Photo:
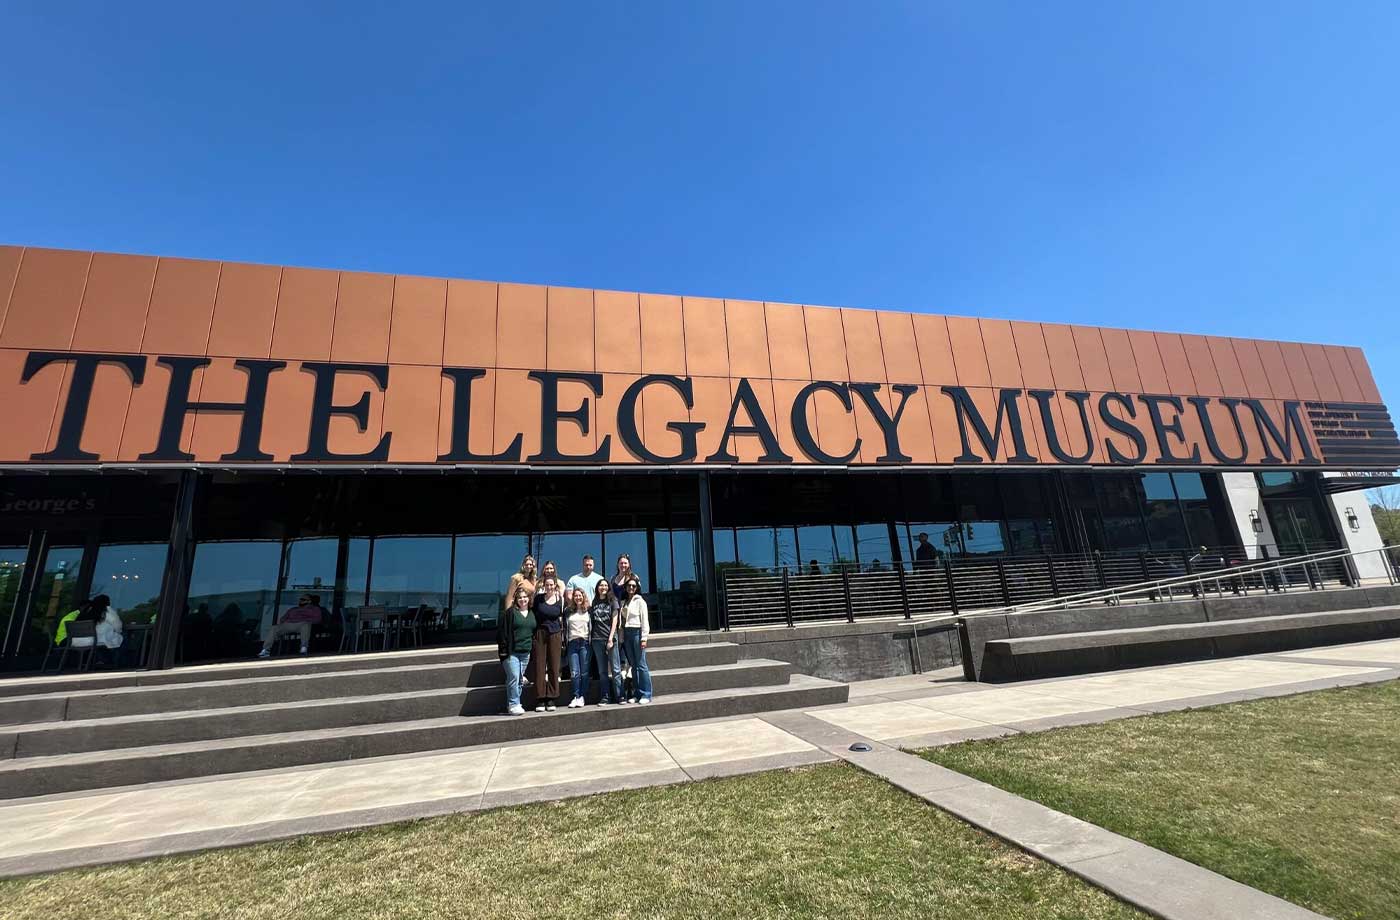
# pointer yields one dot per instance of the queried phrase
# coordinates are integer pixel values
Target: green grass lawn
(1298, 796)
(826, 841)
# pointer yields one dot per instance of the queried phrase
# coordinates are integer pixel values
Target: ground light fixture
(860, 747)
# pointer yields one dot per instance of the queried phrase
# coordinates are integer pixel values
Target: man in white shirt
(587, 580)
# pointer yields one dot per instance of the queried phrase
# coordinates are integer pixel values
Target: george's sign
(1014, 426)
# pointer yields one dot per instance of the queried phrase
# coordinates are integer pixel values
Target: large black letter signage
(68, 447)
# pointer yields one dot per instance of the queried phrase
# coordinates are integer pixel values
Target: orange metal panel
(749, 448)
(216, 433)
(712, 399)
(872, 442)
(418, 321)
(1255, 378)
(836, 428)
(106, 417)
(1151, 372)
(1202, 365)
(946, 433)
(470, 325)
(1033, 355)
(517, 410)
(1064, 356)
(915, 429)
(9, 270)
(305, 315)
(1342, 372)
(969, 354)
(898, 345)
(45, 300)
(1093, 358)
(362, 316)
(1002, 359)
(605, 414)
(787, 341)
(569, 336)
(287, 422)
(617, 332)
(1364, 379)
(1122, 363)
(182, 307)
(935, 349)
(145, 409)
(660, 405)
(1304, 385)
(345, 436)
(706, 344)
(30, 408)
(411, 411)
(864, 357)
(663, 335)
(747, 331)
(481, 435)
(784, 394)
(826, 344)
(1276, 368)
(1323, 378)
(244, 310)
(520, 327)
(1227, 366)
(1173, 352)
(113, 314)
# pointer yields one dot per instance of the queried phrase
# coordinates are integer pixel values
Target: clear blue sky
(1211, 167)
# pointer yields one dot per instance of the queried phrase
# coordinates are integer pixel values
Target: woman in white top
(576, 625)
(635, 629)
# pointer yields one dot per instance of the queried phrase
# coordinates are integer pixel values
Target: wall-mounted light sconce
(1353, 521)
(1254, 522)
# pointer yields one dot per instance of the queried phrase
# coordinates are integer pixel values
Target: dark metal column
(707, 554)
(175, 582)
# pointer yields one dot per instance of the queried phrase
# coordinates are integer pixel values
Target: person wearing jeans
(635, 630)
(514, 635)
(576, 629)
(602, 638)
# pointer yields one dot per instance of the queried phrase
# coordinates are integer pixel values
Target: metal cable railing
(925, 589)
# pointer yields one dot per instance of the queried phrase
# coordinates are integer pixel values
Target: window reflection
(233, 588)
(311, 567)
(634, 544)
(410, 571)
(483, 567)
(130, 575)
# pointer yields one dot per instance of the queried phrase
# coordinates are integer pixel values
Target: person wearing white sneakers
(577, 623)
(297, 621)
(514, 635)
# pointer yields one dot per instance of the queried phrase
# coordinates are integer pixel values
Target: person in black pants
(548, 645)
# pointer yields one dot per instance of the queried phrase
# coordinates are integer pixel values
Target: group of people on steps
(592, 619)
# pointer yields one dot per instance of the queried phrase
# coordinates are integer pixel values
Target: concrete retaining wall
(854, 651)
(977, 631)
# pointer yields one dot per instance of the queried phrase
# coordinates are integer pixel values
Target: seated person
(296, 621)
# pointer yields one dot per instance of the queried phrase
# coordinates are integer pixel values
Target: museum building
(206, 441)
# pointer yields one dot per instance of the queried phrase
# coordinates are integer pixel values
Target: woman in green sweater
(514, 634)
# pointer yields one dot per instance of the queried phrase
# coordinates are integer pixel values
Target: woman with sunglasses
(635, 629)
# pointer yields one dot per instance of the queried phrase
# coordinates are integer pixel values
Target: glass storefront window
(756, 546)
(55, 595)
(311, 568)
(566, 551)
(1165, 528)
(233, 589)
(873, 545)
(818, 544)
(634, 544)
(983, 537)
(409, 571)
(357, 572)
(484, 565)
(130, 575)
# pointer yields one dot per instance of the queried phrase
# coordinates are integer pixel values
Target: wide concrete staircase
(96, 730)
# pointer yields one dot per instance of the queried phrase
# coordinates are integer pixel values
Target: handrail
(1159, 586)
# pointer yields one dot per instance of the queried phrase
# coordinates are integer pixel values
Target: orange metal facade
(86, 302)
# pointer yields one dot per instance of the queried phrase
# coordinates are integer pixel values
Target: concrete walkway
(73, 829)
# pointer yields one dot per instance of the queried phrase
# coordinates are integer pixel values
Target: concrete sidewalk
(52, 832)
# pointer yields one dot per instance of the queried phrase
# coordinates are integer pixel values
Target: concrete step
(268, 684)
(29, 776)
(51, 738)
